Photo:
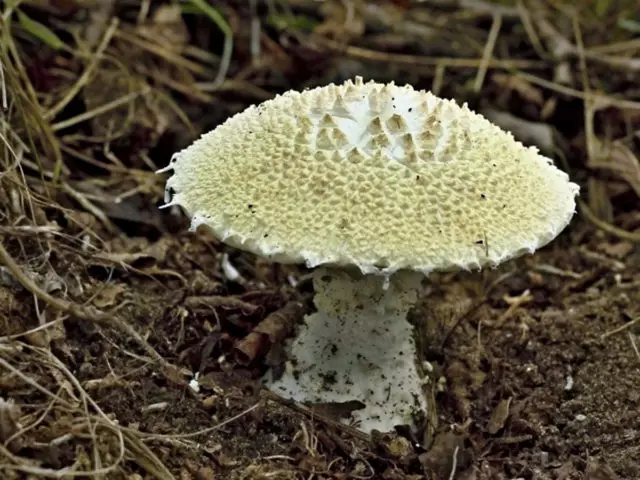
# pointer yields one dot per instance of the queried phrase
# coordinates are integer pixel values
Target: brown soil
(109, 306)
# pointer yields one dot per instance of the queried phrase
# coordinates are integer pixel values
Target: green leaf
(40, 31)
(629, 25)
(296, 22)
(190, 9)
(601, 8)
(213, 15)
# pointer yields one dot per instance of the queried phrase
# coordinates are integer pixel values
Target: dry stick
(488, 52)
(438, 79)
(527, 24)
(3, 85)
(167, 55)
(588, 103)
(607, 227)
(143, 13)
(173, 436)
(185, 89)
(454, 463)
(90, 207)
(373, 55)
(31, 331)
(79, 311)
(314, 414)
(87, 400)
(620, 329)
(616, 47)
(589, 110)
(601, 101)
(144, 457)
(633, 345)
(99, 110)
(255, 45)
(31, 382)
(562, 49)
(25, 429)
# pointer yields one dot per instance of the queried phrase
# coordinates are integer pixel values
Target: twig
(600, 101)
(527, 24)
(99, 110)
(620, 329)
(546, 268)
(438, 79)
(562, 49)
(607, 227)
(31, 382)
(31, 331)
(373, 55)
(454, 463)
(3, 85)
(89, 206)
(634, 345)
(314, 414)
(488, 52)
(478, 7)
(167, 55)
(153, 436)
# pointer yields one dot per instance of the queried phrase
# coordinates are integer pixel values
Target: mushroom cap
(378, 176)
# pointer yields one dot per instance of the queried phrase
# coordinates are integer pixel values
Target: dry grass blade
(23, 107)
(31, 467)
(204, 431)
(619, 159)
(79, 311)
(84, 79)
(487, 54)
(607, 227)
(377, 56)
(221, 23)
(621, 328)
(144, 457)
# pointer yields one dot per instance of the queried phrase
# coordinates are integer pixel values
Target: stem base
(359, 346)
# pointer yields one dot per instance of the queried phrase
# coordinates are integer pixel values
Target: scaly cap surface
(379, 176)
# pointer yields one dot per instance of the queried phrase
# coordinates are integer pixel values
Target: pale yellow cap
(378, 176)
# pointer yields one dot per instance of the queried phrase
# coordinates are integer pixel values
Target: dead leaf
(211, 302)
(38, 338)
(337, 410)
(340, 22)
(619, 159)
(513, 82)
(499, 416)
(617, 250)
(597, 470)
(108, 295)
(9, 421)
(439, 459)
(270, 331)
(392, 445)
(166, 27)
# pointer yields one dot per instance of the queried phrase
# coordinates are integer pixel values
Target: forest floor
(131, 347)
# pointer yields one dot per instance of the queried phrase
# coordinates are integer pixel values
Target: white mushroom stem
(359, 346)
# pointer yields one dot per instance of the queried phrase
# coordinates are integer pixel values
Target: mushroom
(373, 186)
